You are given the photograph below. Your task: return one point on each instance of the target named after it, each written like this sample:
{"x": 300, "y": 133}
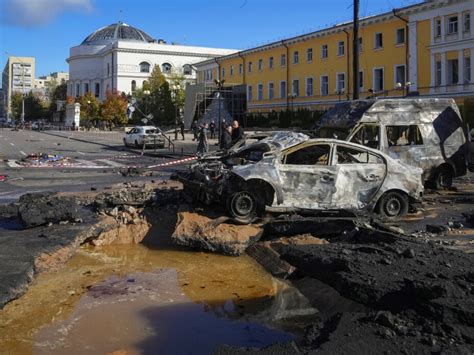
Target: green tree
{"x": 90, "y": 108}
{"x": 35, "y": 108}
{"x": 58, "y": 94}
{"x": 114, "y": 108}
{"x": 15, "y": 105}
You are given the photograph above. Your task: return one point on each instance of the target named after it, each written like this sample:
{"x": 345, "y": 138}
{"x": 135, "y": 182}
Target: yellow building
{"x": 425, "y": 48}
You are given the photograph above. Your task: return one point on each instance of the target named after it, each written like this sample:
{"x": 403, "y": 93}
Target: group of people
{"x": 229, "y": 135}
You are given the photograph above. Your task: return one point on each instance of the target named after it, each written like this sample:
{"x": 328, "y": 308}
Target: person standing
{"x": 226, "y": 138}
{"x": 212, "y": 129}
{"x": 237, "y": 132}
{"x": 181, "y": 126}
{"x": 195, "y": 129}
{"x": 203, "y": 145}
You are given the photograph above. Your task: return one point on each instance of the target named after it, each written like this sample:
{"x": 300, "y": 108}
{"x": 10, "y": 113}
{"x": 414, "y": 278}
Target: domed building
{"x": 120, "y": 57}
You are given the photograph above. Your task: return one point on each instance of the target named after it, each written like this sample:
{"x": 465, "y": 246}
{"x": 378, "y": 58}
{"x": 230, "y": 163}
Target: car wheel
{"x": 242, "y": 206}
{"x": 443, "y": 178}
{"x": 393, "y": 205}
{"x": 125, "y": 142}
{"x": 136, "y": 144}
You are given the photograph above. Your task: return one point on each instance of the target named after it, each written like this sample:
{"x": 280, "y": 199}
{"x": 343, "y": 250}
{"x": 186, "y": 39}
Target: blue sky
{"x": 46, "y": 29}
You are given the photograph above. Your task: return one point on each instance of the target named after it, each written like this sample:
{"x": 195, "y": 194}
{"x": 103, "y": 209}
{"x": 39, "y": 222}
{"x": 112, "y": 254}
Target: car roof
{"x": 339, "y": 141}
{"x": 146, "y": 127}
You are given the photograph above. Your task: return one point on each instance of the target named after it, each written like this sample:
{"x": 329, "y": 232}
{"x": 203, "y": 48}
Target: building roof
{"x": 117, "y": 32}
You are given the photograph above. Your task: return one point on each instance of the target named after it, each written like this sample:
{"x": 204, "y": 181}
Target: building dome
{"x": 117, "y": 32}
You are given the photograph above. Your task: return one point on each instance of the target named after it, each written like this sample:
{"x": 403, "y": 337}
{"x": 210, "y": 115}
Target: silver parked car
{"x": 148, "y": 136}
{"x": 289, "y": 172}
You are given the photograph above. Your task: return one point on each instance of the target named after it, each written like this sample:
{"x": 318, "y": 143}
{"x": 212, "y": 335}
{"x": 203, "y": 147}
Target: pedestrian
{"x": 203, "y": 145}
{"x": 237, "y": 132}
{"x": 226, "y": 138}
{"x": 195, "y": 129}
{"x": 181, "y": 126}
{"x": 212, "y": 129}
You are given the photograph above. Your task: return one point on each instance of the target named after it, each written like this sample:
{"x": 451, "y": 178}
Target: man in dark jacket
{"x": 237, "y": 132}
{"x": 226, "y": 138}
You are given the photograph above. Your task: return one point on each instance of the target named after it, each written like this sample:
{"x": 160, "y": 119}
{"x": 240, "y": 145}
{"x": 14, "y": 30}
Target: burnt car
{"x": 289, "y": 172}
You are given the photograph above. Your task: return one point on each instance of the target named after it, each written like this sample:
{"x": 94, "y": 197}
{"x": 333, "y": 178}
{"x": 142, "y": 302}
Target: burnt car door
{"x": 306, "y": 176}
{"x": 360, "y": 174}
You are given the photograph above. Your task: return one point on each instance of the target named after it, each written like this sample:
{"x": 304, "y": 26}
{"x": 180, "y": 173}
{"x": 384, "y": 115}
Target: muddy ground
{"x": 406, "y": 287}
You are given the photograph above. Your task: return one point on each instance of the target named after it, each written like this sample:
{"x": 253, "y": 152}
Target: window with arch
{"x": 144, "y": 67}
{"x": 187, "y": 70}
{"x": 134, "y": 85}
{"x": 166, "y": 68}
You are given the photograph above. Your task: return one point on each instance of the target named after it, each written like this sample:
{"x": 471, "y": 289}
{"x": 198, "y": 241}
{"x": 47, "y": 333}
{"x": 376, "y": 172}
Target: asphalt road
{"x": 95, "y": 160}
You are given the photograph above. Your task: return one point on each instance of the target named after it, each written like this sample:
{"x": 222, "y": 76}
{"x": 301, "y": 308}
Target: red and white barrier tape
{"x": 175, "y": 162}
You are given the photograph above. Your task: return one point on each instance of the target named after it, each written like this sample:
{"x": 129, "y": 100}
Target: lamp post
{"x": 292, "y": 96}
{"x": 339, "y": 93}
{"x": 404, "y": 86}
{"x": 175, "y": 92}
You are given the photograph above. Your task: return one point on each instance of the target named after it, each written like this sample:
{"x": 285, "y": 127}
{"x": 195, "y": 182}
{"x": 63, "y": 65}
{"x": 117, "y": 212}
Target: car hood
{"x": 278, "y": 141}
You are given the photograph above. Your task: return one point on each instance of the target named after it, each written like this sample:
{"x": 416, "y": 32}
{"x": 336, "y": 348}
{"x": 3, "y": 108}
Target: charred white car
{"x": 289, "y": 172}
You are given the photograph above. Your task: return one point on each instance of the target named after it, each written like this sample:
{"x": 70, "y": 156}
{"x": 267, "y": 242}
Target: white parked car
{"x": 149, "y": 136}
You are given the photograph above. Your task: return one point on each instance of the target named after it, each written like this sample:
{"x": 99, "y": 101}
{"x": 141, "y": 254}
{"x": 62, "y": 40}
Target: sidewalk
{"x": 184, "y": 148}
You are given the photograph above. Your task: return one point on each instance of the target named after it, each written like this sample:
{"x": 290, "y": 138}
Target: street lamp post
{"x": 175, "y": 91}
{"x": 339, "y": 93}
{"x": 404, "y": 86}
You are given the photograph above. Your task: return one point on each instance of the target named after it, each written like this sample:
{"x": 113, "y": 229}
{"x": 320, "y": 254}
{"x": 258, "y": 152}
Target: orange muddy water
{"x": 134, "y": 299}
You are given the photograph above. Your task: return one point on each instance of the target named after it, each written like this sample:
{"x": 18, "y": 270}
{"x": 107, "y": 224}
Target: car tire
{"x": 136, "y": 144}
{"x": 242, "y": 206}
{"x": 443, "y": 178}
{"x": 125, "y": 142}
{"x": 393, "y": 205}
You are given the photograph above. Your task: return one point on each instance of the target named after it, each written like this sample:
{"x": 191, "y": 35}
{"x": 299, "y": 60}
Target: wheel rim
{"x": 393, "y": 206}
{"x": 243, "y": 204}
{"x": 444, "y": 179}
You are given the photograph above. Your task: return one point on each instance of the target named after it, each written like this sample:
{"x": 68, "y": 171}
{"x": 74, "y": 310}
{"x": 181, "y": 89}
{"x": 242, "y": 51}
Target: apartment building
{"x": 424, "y": 48}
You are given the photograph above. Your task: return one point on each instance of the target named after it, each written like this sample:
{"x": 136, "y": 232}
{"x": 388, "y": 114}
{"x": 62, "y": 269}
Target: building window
{"x": 378, "y": 41}
{"x": 361, "y": 80}
{"x": 324, "y": 85}
{"x": 86, "y": 88}
{"x": 452, "y": 25}
{"x": 324, "y": 51}
{"x": 166, "y": 68}
{"x": 144, "y": 67}
{"x": 296, "y": 58}
{"x": 400, "y": 36}
{"x": 187, "y": 70}
{"x": 438, "y": 73}
{"x": 400, "y": 75}
{"x": 231, "y": 70}
{"x": 340, "y": 48}
{"x": 223, "y": 72}
{"x": 340, "y": 82}
{"x": 309, "y": 87}
{"x": 467, "y": 70}
{"x": 249, "y": 93}
{"x": 453, "y": 71}
{"x": 260, "y": 64}
{"x": 208, "y": 75}
{"x": 309, "y": 54}
{"x": 271, "y": 90}
{"x": 250, "y": 67}
{"x": 260, "y": 92}
{"x": 296, "y": 87}
{"x": 437, "y": 27}
{"x": 283, "y": 60}
{"x": 282, "y": 89}
{"x": 378, "y": 79}
{"x": 97, "y": 90}
{"x": 134, "y": 85}
{"x": 241, "y": 69}
{"x": 78, "y": 88}
{"x": 270, "y": 62}
{"x": 467, "y": 22}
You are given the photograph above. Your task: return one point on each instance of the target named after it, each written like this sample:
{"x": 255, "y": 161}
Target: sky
{"x": 47, "y": 29}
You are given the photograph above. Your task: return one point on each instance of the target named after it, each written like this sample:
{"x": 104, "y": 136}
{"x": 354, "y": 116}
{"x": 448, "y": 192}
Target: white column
{"x": 461, "y": 70}
{"x": 443, "y": 72}
{"x": 412, "y": 56}
{"x": 472, "y": 63}
{"x": 432, "y": 73}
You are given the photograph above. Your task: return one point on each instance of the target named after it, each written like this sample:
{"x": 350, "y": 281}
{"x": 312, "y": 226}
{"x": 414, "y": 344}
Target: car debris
{"x": 422, "y": 132}
{"x": 288, "y": 172}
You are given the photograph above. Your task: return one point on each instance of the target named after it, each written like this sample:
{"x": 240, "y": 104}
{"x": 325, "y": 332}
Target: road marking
{"x": 23, "y": 153}
{"x": 111, "y": 163}
{"x": 41, "y": 139}
{"x": 81, "y": 153}
{"x": 12, "y": 144}
{"x": 86, "y": 162}
{"x": 13, "y": 164}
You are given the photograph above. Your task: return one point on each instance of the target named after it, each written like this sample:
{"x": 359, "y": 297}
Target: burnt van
{"x": 424, "y": 132}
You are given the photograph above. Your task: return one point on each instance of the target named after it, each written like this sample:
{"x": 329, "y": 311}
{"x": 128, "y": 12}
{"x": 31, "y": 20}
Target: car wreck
{"x": 287, "y": 172}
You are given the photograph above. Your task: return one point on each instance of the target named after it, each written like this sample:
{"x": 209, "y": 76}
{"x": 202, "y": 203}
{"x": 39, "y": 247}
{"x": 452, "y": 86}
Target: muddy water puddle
{"x": 134, "y": 299}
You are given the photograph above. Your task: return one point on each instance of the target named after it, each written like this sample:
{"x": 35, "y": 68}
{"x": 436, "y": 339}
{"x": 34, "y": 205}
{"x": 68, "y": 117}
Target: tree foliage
{"x": 59, "y": 93}
{"x": 114, "y": 108}
{"x": 15, "y": 105}
{"x": 35, "y": 107}
{"x": 90, "y": 107}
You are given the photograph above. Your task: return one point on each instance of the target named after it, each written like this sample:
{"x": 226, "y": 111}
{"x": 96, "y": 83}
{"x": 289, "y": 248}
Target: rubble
{"x": 198, "y": 231}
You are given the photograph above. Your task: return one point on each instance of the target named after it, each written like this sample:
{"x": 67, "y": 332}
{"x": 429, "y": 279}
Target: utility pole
{"x": 355, "y": 52}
